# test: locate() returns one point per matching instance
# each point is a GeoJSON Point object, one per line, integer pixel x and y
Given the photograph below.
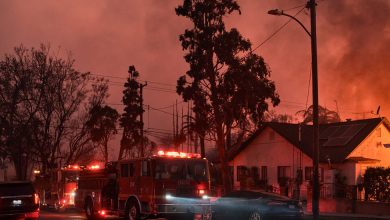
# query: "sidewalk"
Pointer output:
{"type": "Point", "coordinates": [349, 215]}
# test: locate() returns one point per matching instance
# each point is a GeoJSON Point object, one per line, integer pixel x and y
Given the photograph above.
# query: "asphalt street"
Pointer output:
{"type": "Point", "coordinates": [68, 215]}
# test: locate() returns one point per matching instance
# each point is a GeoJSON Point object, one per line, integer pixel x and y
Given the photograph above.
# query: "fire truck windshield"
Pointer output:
{"type": "Point", "coordinates": [70, 175]}
{"type": "Point", "coordinates": [176, 169]}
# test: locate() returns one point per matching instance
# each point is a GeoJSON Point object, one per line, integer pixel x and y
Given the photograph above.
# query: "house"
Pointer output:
{"type": "Point", "coordinates": [278, 156]}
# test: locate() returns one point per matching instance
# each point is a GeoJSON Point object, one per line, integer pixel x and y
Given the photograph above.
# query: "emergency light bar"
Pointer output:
{"type": "Point", "coordinates": [71, 167]}
{"type": "Point", "coordinates": [177, 154]}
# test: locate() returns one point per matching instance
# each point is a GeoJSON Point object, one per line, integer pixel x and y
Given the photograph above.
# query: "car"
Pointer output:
{"type": "Point", "coordinates": [256, 205]}
{"type": "Point", "coordinates": [18, 200]}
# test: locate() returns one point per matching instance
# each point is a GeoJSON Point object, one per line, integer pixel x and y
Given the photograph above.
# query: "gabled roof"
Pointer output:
{"type": "Point", "coordinates": [337, 140]}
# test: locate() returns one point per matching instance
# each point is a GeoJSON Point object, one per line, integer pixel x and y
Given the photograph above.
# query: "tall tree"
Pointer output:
{"type": "Point", "coordinates": [130, 118]}
{"type": "Point", "coordinates": [325, 116]}
{"type": "Point", "coordinates": [226, 85]}
{"type": "Point", "coordinates": [102, 126]}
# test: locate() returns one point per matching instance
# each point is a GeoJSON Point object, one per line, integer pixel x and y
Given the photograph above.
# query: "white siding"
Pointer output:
{"type": "Point", "coordinates": [270, 152]}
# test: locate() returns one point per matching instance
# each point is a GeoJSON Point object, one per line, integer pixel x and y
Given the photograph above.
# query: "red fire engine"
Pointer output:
{"type": "Point", "coordinates": [57, 190]}
{"type": "Point", "coordinates": [164, 185]}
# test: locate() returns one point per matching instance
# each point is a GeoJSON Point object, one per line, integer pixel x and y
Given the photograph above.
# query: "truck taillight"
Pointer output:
{"type": "Point", "coordinates": [36, 198]}
{"type": "Point", "coordinates": [102, 212]}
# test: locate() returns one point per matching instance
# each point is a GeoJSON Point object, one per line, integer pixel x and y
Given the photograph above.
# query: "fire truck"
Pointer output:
{"type": "Point", "coordinates": [57, 190]}
{"type": "Point", "coordinates": [168, 185]}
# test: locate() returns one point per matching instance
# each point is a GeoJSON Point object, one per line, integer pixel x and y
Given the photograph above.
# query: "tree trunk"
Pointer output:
{"type": "Point", "coordinates": [222, 156]}
{"type": "Point", "coordinates": [228, 137]}
{"type": "Point", "coordinates": [202, 147]}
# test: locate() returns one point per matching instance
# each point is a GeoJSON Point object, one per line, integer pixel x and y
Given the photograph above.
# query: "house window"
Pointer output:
{"type": "Point", "coordinates": [284, 171]}
{"type": "Point", "coordinates": [124, 170]}
{"type": "Point", "coordinates": [242, 172]}
{"type": "Point", "coordinates": [264, 174]}
{"type": "Point", "coordinates": [309, 173]}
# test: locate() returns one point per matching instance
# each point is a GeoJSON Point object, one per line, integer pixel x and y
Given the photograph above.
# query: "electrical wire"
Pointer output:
{"type": "Point", "coordinates": [276, 32]}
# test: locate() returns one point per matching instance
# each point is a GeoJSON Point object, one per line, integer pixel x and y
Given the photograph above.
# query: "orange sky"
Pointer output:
{"type": "Point", "coordinates": [106, 36]}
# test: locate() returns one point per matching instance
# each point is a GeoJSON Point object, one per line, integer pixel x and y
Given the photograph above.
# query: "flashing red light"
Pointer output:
{"type": "Point", "coordinates": [177, 154]}
{"type": "Point", "coordinates": [94, 167]}
{"type": "Point", "coordinates": [64, 201]}
{"type": "Point", "coordinates": [202, 192]}
{"type": "Point", "coordinates": [102, 212]}
{"type": "Point", "coordinates": [71, 167]}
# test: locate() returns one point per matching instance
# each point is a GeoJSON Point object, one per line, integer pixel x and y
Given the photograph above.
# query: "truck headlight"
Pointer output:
{"type": "Point", "coordinates": [168, 197]}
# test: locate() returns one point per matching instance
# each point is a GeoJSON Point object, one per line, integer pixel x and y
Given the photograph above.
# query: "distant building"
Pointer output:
{"type": "Point", "coordinates": [278, 156]}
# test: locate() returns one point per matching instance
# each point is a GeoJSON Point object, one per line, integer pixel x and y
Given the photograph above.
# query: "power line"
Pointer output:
{"type": "Point", "coordinates": [276, 32]}
{"type": "Point", "coordinates": [295, 7]}
{"type": "Point", "coordinates": [125, 78]}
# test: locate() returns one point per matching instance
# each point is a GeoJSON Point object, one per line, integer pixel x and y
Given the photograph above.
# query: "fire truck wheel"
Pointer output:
{"type": "Point", "coordinates": [89, 211]}
{"type": "Point", "coordinates": [133, 211]}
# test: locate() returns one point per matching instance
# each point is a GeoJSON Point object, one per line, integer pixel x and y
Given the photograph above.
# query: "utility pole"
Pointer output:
{"type": "Point", "coordinates": [141, 86]}
{"type": "Point", "coordinates": [311, 4]}
{"type": "Point", "coordinates": [316, 184]}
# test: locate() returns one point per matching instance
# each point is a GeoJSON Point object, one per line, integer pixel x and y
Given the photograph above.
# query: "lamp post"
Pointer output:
{"type": "Point", "coordinates": [313, 36]}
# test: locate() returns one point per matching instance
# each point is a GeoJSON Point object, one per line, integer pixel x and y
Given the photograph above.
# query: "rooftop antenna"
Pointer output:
{"type": "Point", "coordinates": [378, 110]}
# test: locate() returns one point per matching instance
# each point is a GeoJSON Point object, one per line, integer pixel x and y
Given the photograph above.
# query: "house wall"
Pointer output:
{"type": "Point", "coordinates": [372, 147]}
{"type": "Point", "coordinates": [271, 150]}
{"type": "Point", "coordinates": [347, 170]}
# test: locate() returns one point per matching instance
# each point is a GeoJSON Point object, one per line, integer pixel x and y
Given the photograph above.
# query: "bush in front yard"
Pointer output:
{"type": "Point", "coordinates": [377, 184]}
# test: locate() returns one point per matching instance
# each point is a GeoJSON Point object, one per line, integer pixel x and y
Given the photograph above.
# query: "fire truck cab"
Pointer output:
{"type": "Point", "coordinates": [169, 184]}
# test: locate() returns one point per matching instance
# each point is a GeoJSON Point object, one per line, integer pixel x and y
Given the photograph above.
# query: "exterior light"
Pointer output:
{"type": "Point", "coordinates": [275, 12]}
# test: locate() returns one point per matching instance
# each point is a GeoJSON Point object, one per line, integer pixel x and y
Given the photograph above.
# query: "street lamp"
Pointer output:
{"type": "Point", "coordinates": [278, 12]}
{"type": "Point", "coordinates": [313, 36]}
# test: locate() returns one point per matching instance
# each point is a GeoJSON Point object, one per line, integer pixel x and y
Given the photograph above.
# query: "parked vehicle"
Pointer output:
{"type": "Point", "coordinates": [256, 205]}
{"type": "Point", "coordinates": [18, 200]}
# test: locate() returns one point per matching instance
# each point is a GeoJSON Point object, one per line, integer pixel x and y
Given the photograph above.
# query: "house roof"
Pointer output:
{"type": "Point", "coordinates": [337, 140]}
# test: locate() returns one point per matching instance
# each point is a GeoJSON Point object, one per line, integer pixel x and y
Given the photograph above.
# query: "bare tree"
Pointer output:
{"type": "Point", "coordinates": [41, 96]}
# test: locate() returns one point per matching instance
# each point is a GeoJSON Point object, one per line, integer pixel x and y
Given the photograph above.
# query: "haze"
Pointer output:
{"type": "Point", "coordinates": [105, 37]}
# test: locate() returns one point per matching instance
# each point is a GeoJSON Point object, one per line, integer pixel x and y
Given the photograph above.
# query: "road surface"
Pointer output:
{"type": "Point", "coordinates": [68, 215]}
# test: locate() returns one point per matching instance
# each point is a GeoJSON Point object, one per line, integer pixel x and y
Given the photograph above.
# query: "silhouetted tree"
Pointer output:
{"type": "Point", "coordinates": [272, 116]}
{"type": "Point", "coordinates": [40, 96]}
{"type": "Point", "coordinates": [81, 149]}
{"type": "Point", "coordinates": [102, 126]}
{"type": "Point", "coordinates": [325, 116]}
{"type": "Point", "coordinates": [226, 85]}
{"type": "Point", "coordinates": [129, 120]}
